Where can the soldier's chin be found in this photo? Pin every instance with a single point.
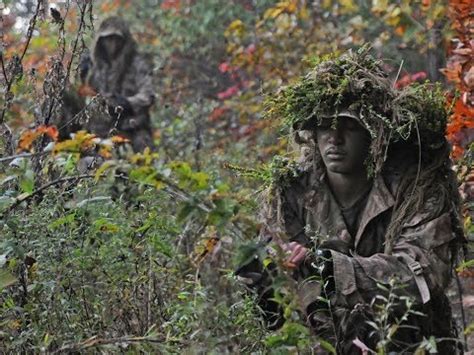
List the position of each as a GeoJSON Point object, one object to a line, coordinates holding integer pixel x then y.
{"type": "Point", "coordinates": [337, 167]}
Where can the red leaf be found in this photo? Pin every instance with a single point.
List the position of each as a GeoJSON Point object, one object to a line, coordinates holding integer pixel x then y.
{"type": "Point", "coordinates": [229, 92]}
{"type": "Point", "coordinates": [224, 67]}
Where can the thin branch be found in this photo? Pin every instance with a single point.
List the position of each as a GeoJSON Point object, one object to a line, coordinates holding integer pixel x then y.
{"type": "Point", "coordinates": [23, 155]}
{"type": "Point", "coordinates": [40, 189]}
{"type": "Point", "coordinates": [83, 11]}
{"type": "Point", "coordinates": [398, 74]}
{"type": "Point", "coordinates": [4, 70]}
{"type": "Point", "coordinates": [9, 83]}
{"type": "Point", "coordinates": [31, 28]}
{"type": "Point", "coordinates": [94, 341]}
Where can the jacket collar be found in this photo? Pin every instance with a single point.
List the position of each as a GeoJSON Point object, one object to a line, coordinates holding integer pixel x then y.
{"type": "Point", "coordinates": [380, 200]}
{"type": "Point", "coordinates": [325, 210]}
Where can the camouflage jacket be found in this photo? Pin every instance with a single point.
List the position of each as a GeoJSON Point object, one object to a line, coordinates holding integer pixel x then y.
{"type": "Point", "coordinates": [129, 75]}
{"type": "Point", "coordinates": [421, 259]}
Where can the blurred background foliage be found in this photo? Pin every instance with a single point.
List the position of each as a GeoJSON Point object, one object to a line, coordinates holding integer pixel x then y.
{"type": "Point", "coordinates": [139, 255]}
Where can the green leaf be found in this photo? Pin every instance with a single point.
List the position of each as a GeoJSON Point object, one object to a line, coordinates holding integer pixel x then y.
{"type": "Point", "coordinates": [27, 182]}
{"type": "Point", "coordinates": [465, 265]}
{"type": "Point", "coordinates": [6, 279]}
{"type": "Point", "coordinates": [327, 346]}
{"type": "Point", "coordinates": [186, 211]}
{"type": "Point", "coordinates": [161, 246]}
{"type": "Point", "coordinates": [67, 219]}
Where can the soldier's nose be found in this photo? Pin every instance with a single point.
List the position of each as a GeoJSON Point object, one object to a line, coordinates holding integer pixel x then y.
{"type": "Point", "coordinates": [335, 136]}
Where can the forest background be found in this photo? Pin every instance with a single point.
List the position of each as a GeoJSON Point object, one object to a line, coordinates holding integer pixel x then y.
{"type": "Point", "coordinates": [139, 255]}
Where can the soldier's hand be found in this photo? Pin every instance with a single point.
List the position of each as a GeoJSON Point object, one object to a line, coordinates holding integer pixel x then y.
{"type": "Point", "coordinates": [296, 253]}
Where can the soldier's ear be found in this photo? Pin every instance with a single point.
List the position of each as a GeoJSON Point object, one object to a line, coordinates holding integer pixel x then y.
{"type": "Point", "coordinates": [303, 137]}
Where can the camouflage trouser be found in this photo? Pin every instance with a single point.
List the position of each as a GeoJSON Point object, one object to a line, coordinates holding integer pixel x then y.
{"type": "Point", "coordinates": [341, 326]}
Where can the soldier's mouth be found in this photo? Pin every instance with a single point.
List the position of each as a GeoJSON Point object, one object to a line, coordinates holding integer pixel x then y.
{"type": "Point", "coordinates": [335, 153]}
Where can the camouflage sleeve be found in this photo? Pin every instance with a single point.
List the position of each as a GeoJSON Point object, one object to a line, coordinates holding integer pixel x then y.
{"type": "Point", "coordinates": [293, 210]}
{"type": "Point", "coordinates": [145, 95]}
{"type": "Point", "coordinates": [421, 260]}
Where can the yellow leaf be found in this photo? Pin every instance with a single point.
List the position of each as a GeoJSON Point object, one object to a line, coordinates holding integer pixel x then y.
{"type": "Point", "coordinates": [81, 141]}
{"type": "Point", "coordinates": [326, 4]}
{"type": "Point", "coordinates": [236, 28]}
{"type": "Point", "coordinates": [206, 246]}
{"type": "Point", "coordinates": [291, 7]}
{"type": "Point", "coordinates": [393, 18]}
{"type": "Point", "coordinates": [348, 6]}
{"type": "Point", "coordinates": [304, 13]}
{"type": "Point", "coordinates": [272, 12]}
{"type": "Point", "coordinates": [102, 169]}
{"type": "Point", "coordinates": [379, 6]}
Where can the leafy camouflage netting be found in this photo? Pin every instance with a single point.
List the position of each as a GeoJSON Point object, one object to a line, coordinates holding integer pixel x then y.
{"type": "Point", "coordinates": [357, 82]}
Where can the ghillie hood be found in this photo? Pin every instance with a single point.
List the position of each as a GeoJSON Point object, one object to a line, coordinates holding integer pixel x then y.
{"type": "Point", "coordinates": [356, 83]}
{"type": "Point", "coordinates": [110, 74]}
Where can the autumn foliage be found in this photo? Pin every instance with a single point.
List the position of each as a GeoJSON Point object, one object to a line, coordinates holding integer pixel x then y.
{"type": "Point", "coordinates": [137, 254]}
{"type": "Point", "coordinates": [460, 72]}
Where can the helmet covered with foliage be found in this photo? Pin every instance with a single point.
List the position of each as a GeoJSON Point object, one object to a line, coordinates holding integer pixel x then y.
{"type": "Point", "coordinates": [406, 127]}
{"type": "Point", "coordinates": [356, 84]}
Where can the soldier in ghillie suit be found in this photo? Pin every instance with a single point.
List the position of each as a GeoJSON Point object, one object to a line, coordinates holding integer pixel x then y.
{"type": "Point", "coordinates": [124, 78]}
{"type": "Point", "coordinates": [371, 212]}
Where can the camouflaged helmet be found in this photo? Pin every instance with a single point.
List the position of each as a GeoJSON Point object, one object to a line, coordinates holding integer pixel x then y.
{"type": "Point", "coordinates": [356, 85]}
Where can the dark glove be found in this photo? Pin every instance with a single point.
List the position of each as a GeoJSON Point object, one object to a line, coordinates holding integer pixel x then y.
{"type": "Point", "coordinates": [252, 274]}
{"type": "Point", "coordinates": [337, 245]}
{"type": "Point", "coordinates": [119, 106]}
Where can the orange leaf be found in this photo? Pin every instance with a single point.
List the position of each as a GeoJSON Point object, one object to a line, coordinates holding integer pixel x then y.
{"type": "Point", "coordinates": [27, 138]}
{"type": "Point", "coordinates": [50, 131]}
{"type": "Point", "coordinates": [457, 152]}
{"type": "Point", "coordinates": [119, 139]}
{"type": "Point", "coordinates": [86, 90]}
{"type": "Point", "coordinates": [207, 246]}
{"type": "Point", "coordinates": [400, 30]}
{"type": "Point", "coordinates": [104, 152]}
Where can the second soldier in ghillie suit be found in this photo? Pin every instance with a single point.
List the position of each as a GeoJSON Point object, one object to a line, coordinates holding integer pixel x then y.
{"type": "Point", "coordinates": [123, 77]}
{"type": "Point", "coordinates": [372, 211]}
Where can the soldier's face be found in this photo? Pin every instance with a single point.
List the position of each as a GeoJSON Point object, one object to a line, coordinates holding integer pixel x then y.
{"type": "Point", "coordinates": [343, 148]}
{"type": "Point", "coordinates": [112, 45]}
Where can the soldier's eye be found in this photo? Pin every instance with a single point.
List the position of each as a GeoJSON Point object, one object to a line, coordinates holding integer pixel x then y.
{"type": "Point", "coordinates": [352, 125]}
{"type": "Point", "coordinates": [325, 124]}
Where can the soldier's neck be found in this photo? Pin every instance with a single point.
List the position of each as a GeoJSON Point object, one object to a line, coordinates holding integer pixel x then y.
{"type": "Point", "coordinates": [348, 188]}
